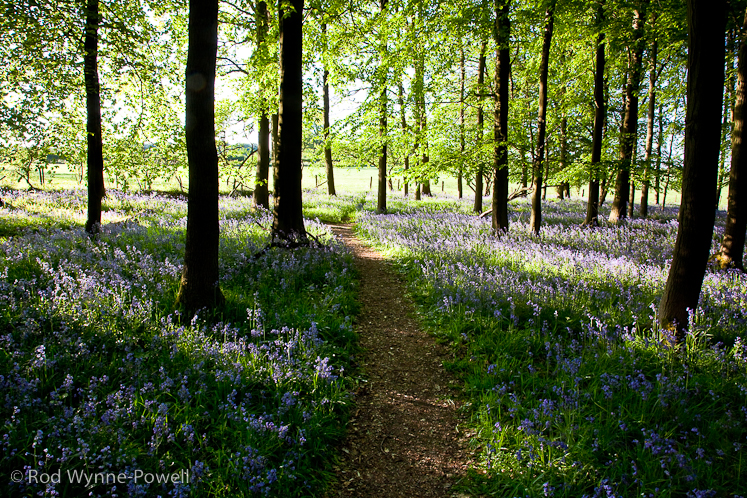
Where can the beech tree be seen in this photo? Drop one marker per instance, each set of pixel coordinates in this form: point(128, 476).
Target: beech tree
point(731, 253)
point(600, 111)
point(705, 82)
point(261, 195)
point(199, 282)
point(287, 224)
point(93, 126)
point(629, 129)
point(502, 35)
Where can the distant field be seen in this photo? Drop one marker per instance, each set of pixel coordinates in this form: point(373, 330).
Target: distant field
point(349, 180)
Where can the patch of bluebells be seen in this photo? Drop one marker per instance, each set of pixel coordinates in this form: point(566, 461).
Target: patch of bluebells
point(95, 375)
point(574, 390)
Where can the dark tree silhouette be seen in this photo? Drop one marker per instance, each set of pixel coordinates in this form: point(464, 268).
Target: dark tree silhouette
point(731, 253)
point(705, 83)
point(199, 284)
point(287, 224)
point(600, 111)
point(502, 35)
point(95, 158)
point(261, 197)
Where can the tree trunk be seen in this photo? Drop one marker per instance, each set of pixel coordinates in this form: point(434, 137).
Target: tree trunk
point(327, 146)
point(261, 197)
point(502, 33)
point(287, 224)
point(462, 140)
point(631, 201)
point(535, 219)
point(403, 118)
point(643, 210)
point(600, 110)
point(705, 83)
point(261, 188)
point(482, 62)
point(657, 171)
point(199, 283)
point(731, 253)
point(93, 126)
point(630, 122)
point(381, 199)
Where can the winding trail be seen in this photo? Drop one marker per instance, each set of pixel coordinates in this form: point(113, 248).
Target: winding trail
point(403, 439)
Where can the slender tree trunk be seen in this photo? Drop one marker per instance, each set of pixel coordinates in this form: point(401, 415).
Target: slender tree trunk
point(462, 139)
point(93, 127)
point(657, 178)
point(199, 283)
point(403, 118)
point(482, 62)
point(261, 188)
point(630, 123)
point(729, 102)
point(705, 83)
point(731, 253)
point(600, 111)
point(631, 201)
point(643, 210)
point(535, 219)
point(502, 34)
point(261, 197)
point(381, 200)
point(287, 224)
point(327, 145)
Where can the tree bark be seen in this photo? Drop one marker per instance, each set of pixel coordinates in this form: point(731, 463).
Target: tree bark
point(403, 118)
point(462, 139)
point(705, 83)
point(502, 34)
point(630, 122)
point(657, 170)
point(381, 199)
point(482, 62)
point(327, 145)
point(535, 219)
point(199, 282)
point(94, 139)
point(287, 226)
point(600, 110)
point(643, 209)
point(731, 253)
point(261, 197)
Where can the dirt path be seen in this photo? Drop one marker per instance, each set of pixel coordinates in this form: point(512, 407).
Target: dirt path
point(403, 438)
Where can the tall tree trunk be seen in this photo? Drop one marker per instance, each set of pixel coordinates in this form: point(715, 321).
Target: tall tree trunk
point(630, 123)
point(93, 126)
point(657, 170)
point(729, 102)
point(462, 139)
point(482, 62)
point(199, 283)
point(643, 210)
point(403, 118)
point(381, 199)
point(705, 83)
point(600, 111)
point(535, 219)
point(631, 201)
point(327, 146)
point(261, 188)
point(502, 33)
point(261, 197)
point(287, 224)
point(731, 253)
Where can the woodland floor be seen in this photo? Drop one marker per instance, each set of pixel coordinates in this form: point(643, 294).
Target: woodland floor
point(403, 438)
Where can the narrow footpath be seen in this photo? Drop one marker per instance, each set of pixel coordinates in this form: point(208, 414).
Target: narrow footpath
point(403, 439)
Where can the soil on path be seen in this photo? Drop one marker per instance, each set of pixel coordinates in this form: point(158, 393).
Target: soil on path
point(403, 439)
